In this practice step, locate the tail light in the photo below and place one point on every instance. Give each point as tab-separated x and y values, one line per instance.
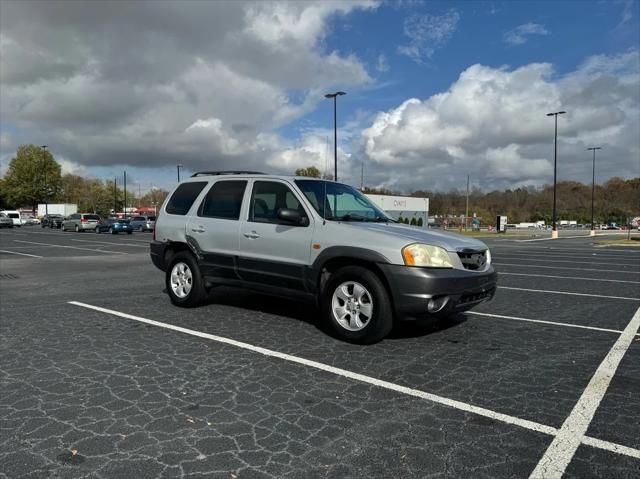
84	220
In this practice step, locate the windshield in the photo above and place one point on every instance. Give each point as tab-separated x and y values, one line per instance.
338	202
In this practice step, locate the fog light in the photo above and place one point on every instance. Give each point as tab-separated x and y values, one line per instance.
436	304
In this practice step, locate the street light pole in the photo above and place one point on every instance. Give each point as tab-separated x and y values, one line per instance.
178	168
335	131
593	186
554	232
44	171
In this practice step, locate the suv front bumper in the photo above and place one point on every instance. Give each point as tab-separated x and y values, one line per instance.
412	288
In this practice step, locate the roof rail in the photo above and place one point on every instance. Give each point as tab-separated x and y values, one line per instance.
214	173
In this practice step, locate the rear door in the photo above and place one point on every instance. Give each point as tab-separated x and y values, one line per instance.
213	231
272	253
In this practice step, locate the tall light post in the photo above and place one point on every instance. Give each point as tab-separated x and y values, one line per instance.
44	171
593	186
335	131
554	233
178	168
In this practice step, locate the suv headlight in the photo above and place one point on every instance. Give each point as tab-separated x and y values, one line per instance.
426	255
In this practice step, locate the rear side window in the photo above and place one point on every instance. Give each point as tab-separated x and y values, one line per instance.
223	200
14	215
138	218
92	217
184	196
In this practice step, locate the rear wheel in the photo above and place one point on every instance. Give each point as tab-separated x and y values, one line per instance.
77	229
112	231
97	230
356	305
184	282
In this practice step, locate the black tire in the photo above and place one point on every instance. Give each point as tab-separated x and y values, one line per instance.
97	230
381	321
129	232
111	230
197	293
77	229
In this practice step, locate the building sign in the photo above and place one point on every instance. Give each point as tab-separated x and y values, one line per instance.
400	203
408	210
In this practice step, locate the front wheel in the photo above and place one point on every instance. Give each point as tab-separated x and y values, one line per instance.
97	230
184	282
356	305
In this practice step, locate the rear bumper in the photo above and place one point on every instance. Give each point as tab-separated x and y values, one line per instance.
157	252
412	289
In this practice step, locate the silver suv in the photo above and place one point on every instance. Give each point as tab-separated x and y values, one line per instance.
318	240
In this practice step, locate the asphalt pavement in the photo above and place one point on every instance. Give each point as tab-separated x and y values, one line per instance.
101	377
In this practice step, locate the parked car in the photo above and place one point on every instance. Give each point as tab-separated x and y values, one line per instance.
114	226
5	221
52	221
317	240
15	217
80	222
143	223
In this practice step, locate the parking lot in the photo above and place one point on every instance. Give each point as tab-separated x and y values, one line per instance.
102	377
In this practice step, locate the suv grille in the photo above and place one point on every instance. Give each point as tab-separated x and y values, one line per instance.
475	260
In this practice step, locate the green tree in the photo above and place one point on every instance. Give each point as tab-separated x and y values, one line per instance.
311	172
33	177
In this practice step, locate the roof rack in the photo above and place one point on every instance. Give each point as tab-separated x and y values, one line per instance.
214	173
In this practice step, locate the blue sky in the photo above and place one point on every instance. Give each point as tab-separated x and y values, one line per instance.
222	85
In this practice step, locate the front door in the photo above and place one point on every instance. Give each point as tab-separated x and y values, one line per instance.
272	253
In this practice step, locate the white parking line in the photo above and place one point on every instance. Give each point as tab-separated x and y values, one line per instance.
524	423
569	293
552	254
565	267
110	243
70	247
569	277
554	323
550	260
21	254
563	447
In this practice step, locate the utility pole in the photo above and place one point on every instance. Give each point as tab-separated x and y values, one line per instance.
593	187
335	131
466	214
178	168
115	196
44	171
554	232
125	194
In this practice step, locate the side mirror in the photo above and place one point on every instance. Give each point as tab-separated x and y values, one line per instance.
292	217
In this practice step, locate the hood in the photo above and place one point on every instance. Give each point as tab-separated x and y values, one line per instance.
412	234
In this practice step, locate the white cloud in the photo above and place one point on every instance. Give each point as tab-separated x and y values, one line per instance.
491	123
205	82
521	33
382	64
427	33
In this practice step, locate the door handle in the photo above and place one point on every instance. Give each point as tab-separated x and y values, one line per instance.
199	229
252	235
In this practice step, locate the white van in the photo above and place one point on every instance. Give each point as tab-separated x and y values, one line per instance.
15	217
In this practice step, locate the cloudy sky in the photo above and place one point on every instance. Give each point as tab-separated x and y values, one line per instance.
435	90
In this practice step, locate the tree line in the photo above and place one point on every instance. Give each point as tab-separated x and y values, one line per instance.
35	177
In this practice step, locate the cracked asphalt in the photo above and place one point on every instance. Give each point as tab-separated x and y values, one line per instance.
89	394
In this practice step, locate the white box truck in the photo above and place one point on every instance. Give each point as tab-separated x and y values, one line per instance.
64	209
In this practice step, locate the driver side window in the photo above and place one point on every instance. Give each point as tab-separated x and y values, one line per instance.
268	198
